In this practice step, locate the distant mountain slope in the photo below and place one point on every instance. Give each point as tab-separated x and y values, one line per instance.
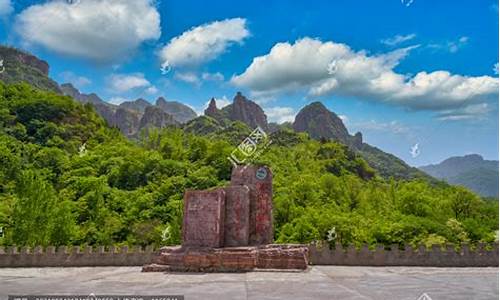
137	105
130	117
21	66
322	124
471	171
181	112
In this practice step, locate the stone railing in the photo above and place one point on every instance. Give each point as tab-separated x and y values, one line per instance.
380	256
480	256
75	256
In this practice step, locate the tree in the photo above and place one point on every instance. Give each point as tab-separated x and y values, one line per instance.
38	217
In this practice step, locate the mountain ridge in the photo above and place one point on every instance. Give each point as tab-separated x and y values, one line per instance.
471	171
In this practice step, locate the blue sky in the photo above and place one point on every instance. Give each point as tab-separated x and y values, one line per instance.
403	73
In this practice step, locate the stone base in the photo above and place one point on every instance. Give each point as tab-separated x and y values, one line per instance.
229	259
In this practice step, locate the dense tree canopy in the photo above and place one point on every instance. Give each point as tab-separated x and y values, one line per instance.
67	178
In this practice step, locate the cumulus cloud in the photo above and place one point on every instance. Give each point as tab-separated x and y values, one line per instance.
77	81
203	43
5	8
398	39
328	68
188	77
98	30
279	114
121	83
213	76
152	90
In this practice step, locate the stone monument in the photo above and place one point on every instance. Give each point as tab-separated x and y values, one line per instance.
230	229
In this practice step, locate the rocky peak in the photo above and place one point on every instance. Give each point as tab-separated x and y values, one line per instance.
320	123
21	66
357	140
156	117
212	110
69	90
181	112
137	105
26	59
246	111
160	101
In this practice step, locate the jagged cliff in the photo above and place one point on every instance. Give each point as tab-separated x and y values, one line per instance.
241	109
20	66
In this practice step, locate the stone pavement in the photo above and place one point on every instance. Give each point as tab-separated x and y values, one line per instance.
319	282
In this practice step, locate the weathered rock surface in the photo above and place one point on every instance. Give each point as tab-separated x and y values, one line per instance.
320	123
155	117
20	66
203	222
237	219
230	259
259	180
181	112
137	105
241	109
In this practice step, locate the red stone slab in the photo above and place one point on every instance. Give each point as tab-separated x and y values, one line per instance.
232	259
260	181
203	223
237	219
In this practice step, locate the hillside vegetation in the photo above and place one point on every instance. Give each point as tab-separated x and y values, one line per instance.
66	178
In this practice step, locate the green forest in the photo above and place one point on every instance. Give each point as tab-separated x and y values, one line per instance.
66	178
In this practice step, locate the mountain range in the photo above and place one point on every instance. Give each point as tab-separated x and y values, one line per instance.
471	171
236	119
133	116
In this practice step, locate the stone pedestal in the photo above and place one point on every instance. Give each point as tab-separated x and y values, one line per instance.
238	217
230	259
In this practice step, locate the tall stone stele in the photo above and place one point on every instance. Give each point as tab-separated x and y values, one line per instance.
231	229
237	215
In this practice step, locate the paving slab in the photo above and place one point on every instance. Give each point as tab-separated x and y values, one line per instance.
318	282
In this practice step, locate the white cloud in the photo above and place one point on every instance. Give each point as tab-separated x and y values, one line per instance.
344	118
203	43
451	46
152	90
326	68
188	77
495	68
117	100
398	39
373	125
213	76
5	8
279	114
99	30
121	83
473	112
77	81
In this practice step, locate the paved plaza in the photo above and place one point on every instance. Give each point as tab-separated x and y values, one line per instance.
319	282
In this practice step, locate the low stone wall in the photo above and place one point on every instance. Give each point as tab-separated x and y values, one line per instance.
75	256
11	257
434	257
